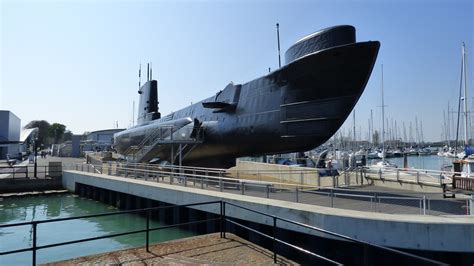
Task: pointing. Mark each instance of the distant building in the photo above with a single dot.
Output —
(10, 127)
(99, 140)
(14, 141)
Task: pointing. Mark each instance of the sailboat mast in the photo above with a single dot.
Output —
(371, 127)
(465, 93)
(354, 139)
(383, 121)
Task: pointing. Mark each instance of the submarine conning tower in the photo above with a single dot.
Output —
(320, 40)
(148, 103)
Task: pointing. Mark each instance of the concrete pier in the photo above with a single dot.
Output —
(416, 232)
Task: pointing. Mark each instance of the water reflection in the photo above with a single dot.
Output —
(30, 208)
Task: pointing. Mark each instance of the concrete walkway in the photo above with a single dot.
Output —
(201, 250)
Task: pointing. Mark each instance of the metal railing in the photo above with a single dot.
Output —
(147, 230)
(362, 200)
(164, 134)
(418, 176)
(28, 172)
(222, 218)
(275, 219)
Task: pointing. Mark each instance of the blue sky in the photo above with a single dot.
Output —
(76, 62)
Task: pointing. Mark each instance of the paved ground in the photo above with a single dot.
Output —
(201, 250)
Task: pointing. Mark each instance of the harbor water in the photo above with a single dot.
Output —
(430, 162)
(43, 207)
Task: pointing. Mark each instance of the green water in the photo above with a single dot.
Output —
(31, 208)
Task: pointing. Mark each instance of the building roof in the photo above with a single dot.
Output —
(27, 132)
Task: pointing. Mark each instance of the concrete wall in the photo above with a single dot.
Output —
(437, 233)
(10, 185)
(405, 185)
(287, 174)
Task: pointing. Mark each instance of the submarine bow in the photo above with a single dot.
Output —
(295, 108)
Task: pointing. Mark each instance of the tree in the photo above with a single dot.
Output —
(43, 130)
(67, 135)
(56, 131)
(376, 138)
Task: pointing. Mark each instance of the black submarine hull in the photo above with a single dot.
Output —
(295, 108)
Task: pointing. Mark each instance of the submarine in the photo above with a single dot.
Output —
(294, 108)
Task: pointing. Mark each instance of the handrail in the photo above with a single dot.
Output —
(336, 234)
(222, 218)
(285, 243)
(249, 181)
(34, 225)
(107, 214)
(269, 189)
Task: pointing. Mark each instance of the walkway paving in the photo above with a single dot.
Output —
(201, 250)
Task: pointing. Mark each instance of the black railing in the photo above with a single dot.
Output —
(147, 229)
(275, 240)
(222, 228)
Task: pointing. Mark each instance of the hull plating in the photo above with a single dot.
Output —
(296, 108)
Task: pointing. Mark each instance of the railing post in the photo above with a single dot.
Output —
(274, 240)
(301, 178)
(424, 204)
(147, 231)
(332, 198)
(202, 182)
(296, 194)
(471, 201)
(220, 184)
(268, 191)
(243, 187)
(398, 175)
(418, 177)
(34, 243)
(375, 202)
(222, 219)
(357, 174)
(77, 167)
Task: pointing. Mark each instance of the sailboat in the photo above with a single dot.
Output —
(383, 153)
(466, 163)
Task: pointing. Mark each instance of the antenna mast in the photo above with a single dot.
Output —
(278, 39)
(140, 76)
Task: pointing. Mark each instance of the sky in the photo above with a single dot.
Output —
(76, 62)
